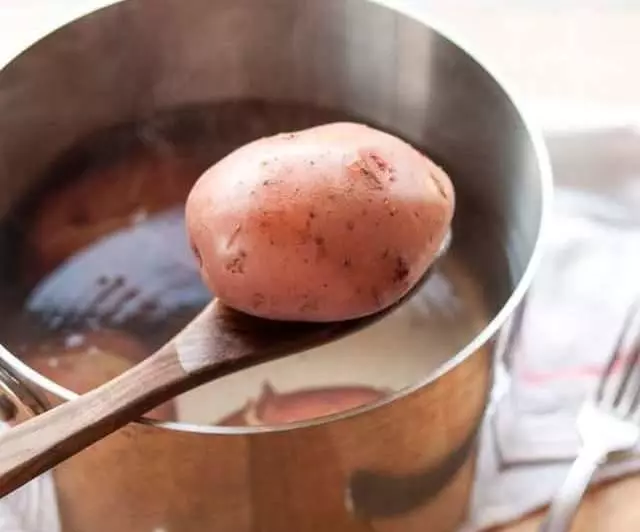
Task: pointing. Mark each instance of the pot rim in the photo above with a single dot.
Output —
(534, 132)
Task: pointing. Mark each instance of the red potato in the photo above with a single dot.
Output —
(331, 223)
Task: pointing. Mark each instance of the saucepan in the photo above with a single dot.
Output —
(105, 124)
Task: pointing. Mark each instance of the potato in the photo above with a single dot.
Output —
(331, 223)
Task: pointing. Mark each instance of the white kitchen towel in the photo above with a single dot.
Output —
(571, 320)
(31, 508)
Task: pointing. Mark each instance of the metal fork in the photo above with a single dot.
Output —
(607, 423)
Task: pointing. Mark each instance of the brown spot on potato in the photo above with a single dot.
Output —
(401, 270)
(236, 265)
(380, 162)
(350, 225)
(312, 215)
(366, 169)
(347, 262)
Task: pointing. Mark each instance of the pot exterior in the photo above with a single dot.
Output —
(401, 467)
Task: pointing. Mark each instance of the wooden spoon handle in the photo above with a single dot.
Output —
(42, 442)
(217, 342)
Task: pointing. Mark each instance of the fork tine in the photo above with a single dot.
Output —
(616, 356)
(634, 404)
(631, 359)
(631, 365)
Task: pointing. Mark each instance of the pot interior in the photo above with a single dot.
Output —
(96, 270)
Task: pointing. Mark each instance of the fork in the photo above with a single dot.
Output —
(607, 423)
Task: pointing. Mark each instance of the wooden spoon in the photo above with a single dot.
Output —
(217, 342)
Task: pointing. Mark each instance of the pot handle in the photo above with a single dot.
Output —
(18, 398)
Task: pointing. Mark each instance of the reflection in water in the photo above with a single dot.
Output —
(274, 408)
(145, 272)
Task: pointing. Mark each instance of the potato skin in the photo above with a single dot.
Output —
(330, 223)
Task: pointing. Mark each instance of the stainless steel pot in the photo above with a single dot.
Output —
(404, 463)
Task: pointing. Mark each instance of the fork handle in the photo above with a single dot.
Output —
(565, 504)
